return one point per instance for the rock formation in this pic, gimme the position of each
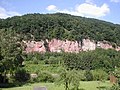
(33, 46)
(87, 45)
(56, 45)
(117, 49)
(104, 45)
(66, 46)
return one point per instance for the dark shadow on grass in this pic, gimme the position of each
(102, 88)
(6, 85)
(11, 85)
(81, 89)
(78, 89)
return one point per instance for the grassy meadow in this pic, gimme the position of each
(84, 85)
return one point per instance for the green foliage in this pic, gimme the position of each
(116, 73)
(22, 75)
(74, 79)
(10, 52)
(99, 75)
(63, 79)
(69, 78)
(3, 79)
(62, 26)
(97, 59)
(35, 55)
(88, 75)
(45, 77)
(115, 87)
(35, 61)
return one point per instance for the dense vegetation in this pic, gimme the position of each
(85, 66)
(97, 59)
(62, 26)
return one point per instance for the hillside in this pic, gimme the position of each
(62, 26)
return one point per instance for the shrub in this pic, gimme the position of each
(35, 61)
(21, 75)
(99, 74)
(88, 75)
(45, 77)
(115, 87)
(52, 60)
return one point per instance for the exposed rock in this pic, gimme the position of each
(33, 75)
(87, 45)
(40, 88)
(117, 49)
(33, 46)
(104, 45)
(56, 45)
(66, 46)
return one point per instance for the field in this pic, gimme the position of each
(84, 85)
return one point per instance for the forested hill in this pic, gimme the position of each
(62, 26)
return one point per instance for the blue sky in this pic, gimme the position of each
(107, 10)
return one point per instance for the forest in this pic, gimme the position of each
(62, 26)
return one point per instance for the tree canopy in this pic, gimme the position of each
(10, 53)
(62, 26)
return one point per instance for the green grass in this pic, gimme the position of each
(91, 85)
(33, 68)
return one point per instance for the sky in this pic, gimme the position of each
(107, 10)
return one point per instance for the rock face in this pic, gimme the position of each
(104, 45)
(117, 49)
(87, 45)
(66, 46)
(33, 46)
(56, 45)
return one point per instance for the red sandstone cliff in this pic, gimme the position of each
(56, 45)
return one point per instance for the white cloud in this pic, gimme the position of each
(87, 10)
(116, 1)
(51, 8)
(92, 10)
(5, 13)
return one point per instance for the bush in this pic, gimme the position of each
(115, 87)
(99, 74)
(3, 79)
(52, 60)
(21, 75)
(88, 75)
(45, 77)
(35, 61)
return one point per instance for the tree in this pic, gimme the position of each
(69, 79)
(74, 79)
(63, 79)
(116, 86)
(10, 52)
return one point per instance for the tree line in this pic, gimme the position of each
(62, 26)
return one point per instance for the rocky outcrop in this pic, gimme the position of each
(117, 49)
(66, 46)
(104, 45)
(88, 44)
(56, 45)
(33, 46)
